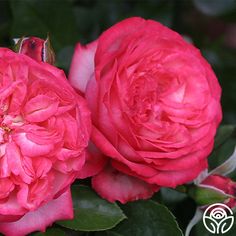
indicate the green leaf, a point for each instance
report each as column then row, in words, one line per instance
column 225, row 142
column 147, row 218
column 107, row 233
column 91, row 213
column 51, row 232
column 171, row 197
column 224, row 132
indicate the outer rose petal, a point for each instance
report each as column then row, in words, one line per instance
column 114, row 185
column 82, row 65
column 95, row 162
column 175, row 178
column 110, row 40
column 58, row 209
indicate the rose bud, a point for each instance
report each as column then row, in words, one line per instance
column 155, row 105
column 36, row 48
column 224, row 186
column 213, row 189
column 212, row 186
column 44, row 130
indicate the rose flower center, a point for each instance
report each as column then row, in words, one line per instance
column 143, row 96
column 7, row 124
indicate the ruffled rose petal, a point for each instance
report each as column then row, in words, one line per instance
column 82, row 66
column 58, row 209
column 116, row 186
column 107, row 148
column 30, row 148
column 40, row 108
column 15, row 162
column 6, row 186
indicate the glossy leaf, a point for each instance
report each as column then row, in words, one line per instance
column 225, row 142
column 107, row 233
column 147, row 218
column 170, row 196
column 51, row 232
column 224, row 132
column 92, row 213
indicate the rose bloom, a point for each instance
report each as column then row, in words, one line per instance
column 44, row 130
column 224, row 185
column 155, row 104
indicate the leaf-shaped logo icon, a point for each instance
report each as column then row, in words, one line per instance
column 218, row 218
column 226, row 224
column 210, row 224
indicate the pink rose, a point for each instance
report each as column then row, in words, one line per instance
column 224, row 185
column 44, row 130
column 155, row 104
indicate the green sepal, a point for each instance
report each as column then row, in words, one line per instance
column 206, row 195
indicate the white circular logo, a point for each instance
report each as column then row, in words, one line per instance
column 218, row 218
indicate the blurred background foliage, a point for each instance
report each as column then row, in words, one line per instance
column 209, row 24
